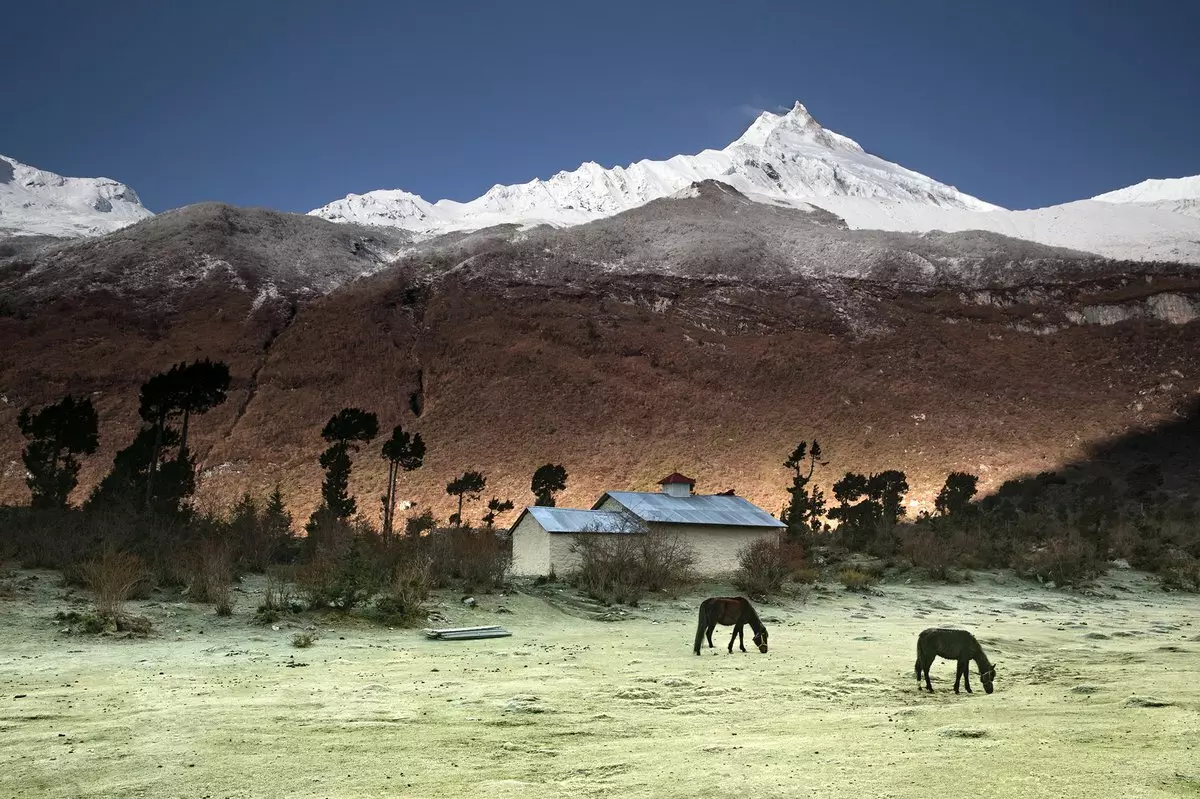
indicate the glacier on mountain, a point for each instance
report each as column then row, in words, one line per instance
column 34, row 202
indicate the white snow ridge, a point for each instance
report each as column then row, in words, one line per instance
column 781, row 156
column 790, row 159
column 34, row 202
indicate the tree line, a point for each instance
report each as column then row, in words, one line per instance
column 156, row 472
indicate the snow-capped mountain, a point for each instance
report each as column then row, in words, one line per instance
column 34, row 202
column 1178, row 195
column 782, row 157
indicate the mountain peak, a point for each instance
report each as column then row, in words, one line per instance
column 789, row 129
column 34, row 202
column 786, row 156
column 1155, row 190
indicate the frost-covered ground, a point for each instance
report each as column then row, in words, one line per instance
column 574, row 707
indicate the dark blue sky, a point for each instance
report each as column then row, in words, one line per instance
column 293, row 104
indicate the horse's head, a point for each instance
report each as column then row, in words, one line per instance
column 988, row 677
column 760, row 640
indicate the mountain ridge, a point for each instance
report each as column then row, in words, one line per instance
column 787, row 157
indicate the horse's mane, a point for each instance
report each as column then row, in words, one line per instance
column 755, row 622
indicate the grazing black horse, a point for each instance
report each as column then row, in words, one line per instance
column 735, row 610
column 958, row 645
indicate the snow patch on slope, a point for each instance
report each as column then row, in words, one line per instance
column 34, row 202
column 1132, row 231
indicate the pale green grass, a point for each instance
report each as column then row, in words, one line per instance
column 575, row 708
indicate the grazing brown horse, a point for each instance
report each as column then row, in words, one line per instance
column 735, row 610
column 958, row 645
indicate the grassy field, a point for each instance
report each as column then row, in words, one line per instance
column 222, row 707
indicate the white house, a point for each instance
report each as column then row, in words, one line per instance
column 715, row 525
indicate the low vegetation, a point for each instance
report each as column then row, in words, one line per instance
column 622, row 567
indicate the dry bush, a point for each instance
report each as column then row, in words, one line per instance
column 806, row 575
column 934, row 551
column 112, row 578
column 340, row 577
column 856, row 579
column 277, row 594
column 623, row 566
column 1062, row 560
column 303, row 640
column 1179, row 571
column 210, row 573
column 477, row 559
column 763, row 565
column 403, row 603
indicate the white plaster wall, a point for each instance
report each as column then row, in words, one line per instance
column 716, row 548
column 531, row 549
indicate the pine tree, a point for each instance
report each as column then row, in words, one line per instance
column 805, row 506
column 402, row 452
column 547, row 481
column 344, row 431
column 469, row 485
column 57, row 433
column 496, row 506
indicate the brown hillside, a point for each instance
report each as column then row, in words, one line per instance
column 625, row 378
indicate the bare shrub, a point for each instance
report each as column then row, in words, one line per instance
column 477, row 559
column 806, row 575
column 763, row 565
column 1179, row 571
column 403, row 603
column 931, row 550
column 277, row 595
column 1062, row 560
column 340, row 577
column 210, row 574
column 303, row 640
column 624, row 562
column 856, row 579
column 112, row 578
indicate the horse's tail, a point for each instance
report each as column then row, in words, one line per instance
column 701, row 625
column 918, row 666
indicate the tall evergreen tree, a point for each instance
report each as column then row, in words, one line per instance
column 402, row 452
column 805, row 506
column 547, row 481
column 955, row 497
column 469, row 485
column 344, row 431
column 57, row 433
column 202, row 386
column 181, row 391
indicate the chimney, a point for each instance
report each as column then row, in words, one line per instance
column 676, row 485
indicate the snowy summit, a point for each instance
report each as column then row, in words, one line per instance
column 783, row 157
column 34, row 202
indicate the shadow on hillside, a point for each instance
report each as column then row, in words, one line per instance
column 1140, row 465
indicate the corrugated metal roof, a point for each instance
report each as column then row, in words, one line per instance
column 574, row 520
column 715, row 509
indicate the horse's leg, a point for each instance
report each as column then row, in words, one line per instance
column 966, row 670
column 958, row 675
column 712, row 625
column 736, row 628
column 742, row 637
